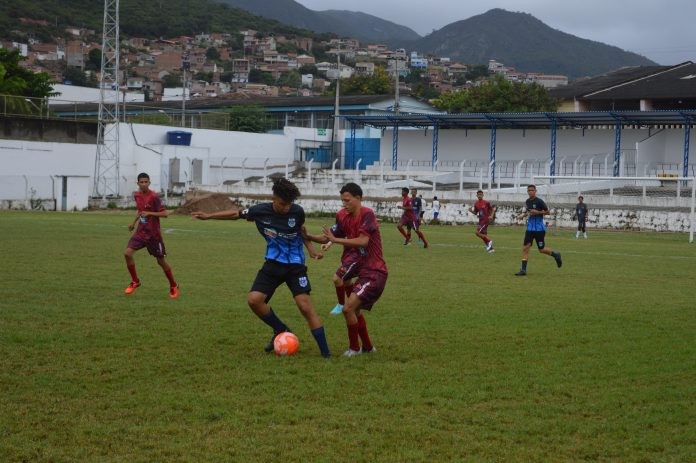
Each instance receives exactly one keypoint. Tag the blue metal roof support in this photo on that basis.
(491, 157)
(617, 149)
(552, 167)
(395, 147)
(352, 143)
(687, 140)
(436, 141)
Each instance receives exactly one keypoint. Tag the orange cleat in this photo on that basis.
(174, 292)
(131, 287)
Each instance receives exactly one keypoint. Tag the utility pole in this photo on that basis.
(336, 152)
(106, 167)
(396, 86)
(185, 66)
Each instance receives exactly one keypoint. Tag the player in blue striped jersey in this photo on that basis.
(536, 209)
(281, 223)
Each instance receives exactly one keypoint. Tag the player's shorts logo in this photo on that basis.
(303, 282)
(291, 222)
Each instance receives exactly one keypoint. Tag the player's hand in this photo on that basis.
(325, 247)
(131, 227)
(328, 233)
(200, 215)
(316, 255)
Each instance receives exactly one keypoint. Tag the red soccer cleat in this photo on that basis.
(174, 292)
(131, 287)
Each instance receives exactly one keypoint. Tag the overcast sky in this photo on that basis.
(662, 30)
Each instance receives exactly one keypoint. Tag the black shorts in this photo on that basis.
(274, 274)
(531, 236)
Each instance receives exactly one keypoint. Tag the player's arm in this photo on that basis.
(131, 226)
(359, 242)
(228, 214)
(491, 216)
(163, 213)
(310, 249)
(321, 239)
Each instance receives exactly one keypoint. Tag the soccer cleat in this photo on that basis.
(491, 251)
(370, 351)
(407, 242)
(269, 347)
(559, 261)
(489, 246)
(131, 287)
(174, 292)
(426, 245)
(338, 309)
(585, 235)
(521, 273)
(352, 353)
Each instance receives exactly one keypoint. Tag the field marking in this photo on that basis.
(592, 253)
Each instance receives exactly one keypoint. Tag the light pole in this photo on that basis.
(185, 66)
(37, 107)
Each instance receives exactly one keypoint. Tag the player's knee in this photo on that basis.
(255, 300)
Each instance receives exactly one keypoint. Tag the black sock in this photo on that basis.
(524, 265)
(320, 337)
(554, 254)
(272, 320)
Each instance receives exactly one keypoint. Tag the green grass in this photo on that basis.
(595, 361)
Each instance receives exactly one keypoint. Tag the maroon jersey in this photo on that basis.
(364, 222)
(148, 227)
(408, 214)
(483, 210)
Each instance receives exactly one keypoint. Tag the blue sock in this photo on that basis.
(272, 320)
(320, 337)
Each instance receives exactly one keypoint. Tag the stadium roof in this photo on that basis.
(526, 120)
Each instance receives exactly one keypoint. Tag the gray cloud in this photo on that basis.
(662, 31)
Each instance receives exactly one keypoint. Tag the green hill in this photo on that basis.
(149, 19)
(522, 41)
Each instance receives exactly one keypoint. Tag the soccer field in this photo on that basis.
(593, 361)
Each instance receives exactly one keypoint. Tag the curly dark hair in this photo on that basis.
(285, 190)
(352, 188)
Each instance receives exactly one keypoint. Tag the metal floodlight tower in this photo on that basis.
(106, 168)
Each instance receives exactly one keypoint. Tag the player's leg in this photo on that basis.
(400, 227)
(421, 236)
(541, 245)
(298, 283)
(528, 238)
(267, 281)
(134, 244)
(366, 292)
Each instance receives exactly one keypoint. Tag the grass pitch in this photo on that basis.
(594, 361)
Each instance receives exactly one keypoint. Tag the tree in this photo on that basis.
(291, 79)
(94, 60)
(15, 80)
(377, 84)
(247, 119)
(498, 96)
(212, 54)
(21, 84)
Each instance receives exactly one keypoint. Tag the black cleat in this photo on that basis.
(269, 347)
(559, 261)
(521, 273)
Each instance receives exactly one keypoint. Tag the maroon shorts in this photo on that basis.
(155, 246)
(409, 222)
(482, 228)
(349, 268)
(369, 288)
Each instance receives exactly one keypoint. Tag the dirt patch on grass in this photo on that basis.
(205, 202)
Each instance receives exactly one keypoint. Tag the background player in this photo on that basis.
(485, 212)
(581, 215)
(280, 222)
(148, 235)
(536, 209)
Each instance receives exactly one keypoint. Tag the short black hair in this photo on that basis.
(531, 185)
(479, 191)
(580, 197)
(143, 175)
(285, 190)
(352, 188)
(404, 190)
